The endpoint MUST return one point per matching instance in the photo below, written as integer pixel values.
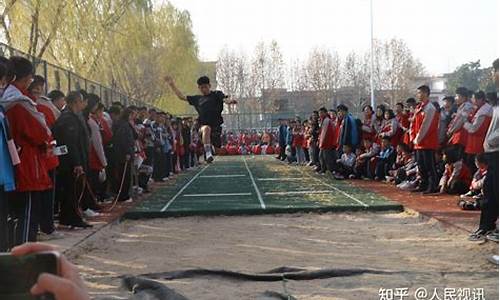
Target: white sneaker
(467, 195)
(129, 200)
(90, 213)
(55, 235)
(210, 157)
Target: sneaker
(129, 200)
(352, 176)
(209, 158)
(493, 259)
(339, 177)
(89, 213)
(478, 236)
(54, 235)
(493, 236)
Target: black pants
(327, 158)
(47, 199)
(306, 154)
(382, 168)
(457, 187)
(4, 221)
(489, 208)
(25, 209)
(168, 163)
(282, 154)
(314, 154)
(427, 169)
(68, 191)
(159, 165)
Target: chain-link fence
(66, 80)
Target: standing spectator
(7, 182)
(47, 197)
(445, 116)
(31, 134)
(97, 157)
(282, 139)
(327, 143)
(71, 130)
(457, 135)
(124, 136)
(479, 123)
(489, 209)
(426, 124)
(348, 128)
(313, 145)
(409, 132)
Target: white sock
(208, 148)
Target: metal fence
(65, 80)
(259, 121)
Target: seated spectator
(385, 159)
(405, 161)
(364, 166)
(472, 199)
(456, 177)
(344, 166)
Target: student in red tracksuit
(31, 135)
(51, 113)
(327, 143)
(457, 135)
(390, 128)
(408, 134)
(426, 122)
(456, 177)
(476, 127)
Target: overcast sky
(441, 33)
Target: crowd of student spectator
(421, 146)
(67, 159)
(70, 158)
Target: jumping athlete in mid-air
(209, 106)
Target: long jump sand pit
(423, 255)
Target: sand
(434, 258)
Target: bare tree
(323, 74)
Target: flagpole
(372, 93)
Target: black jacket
(124, 136)
(71, 130)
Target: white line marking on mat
(223, 176)
(335, 188)
(298, 192)
(183, 188)
(280, 179)
(217, 195)
(254, 185)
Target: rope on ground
(272, 275)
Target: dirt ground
(434, 258)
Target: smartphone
(61, 150)
(19, 274)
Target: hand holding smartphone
(36, 271)
(20, 273)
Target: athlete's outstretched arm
(170, 81)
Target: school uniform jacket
(51, 113)
(455, 128)
(97, 158)
(477, 128)
(327, 136)
(31, 135)
(425, 126)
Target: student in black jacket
(71, 130)
(124, 136)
